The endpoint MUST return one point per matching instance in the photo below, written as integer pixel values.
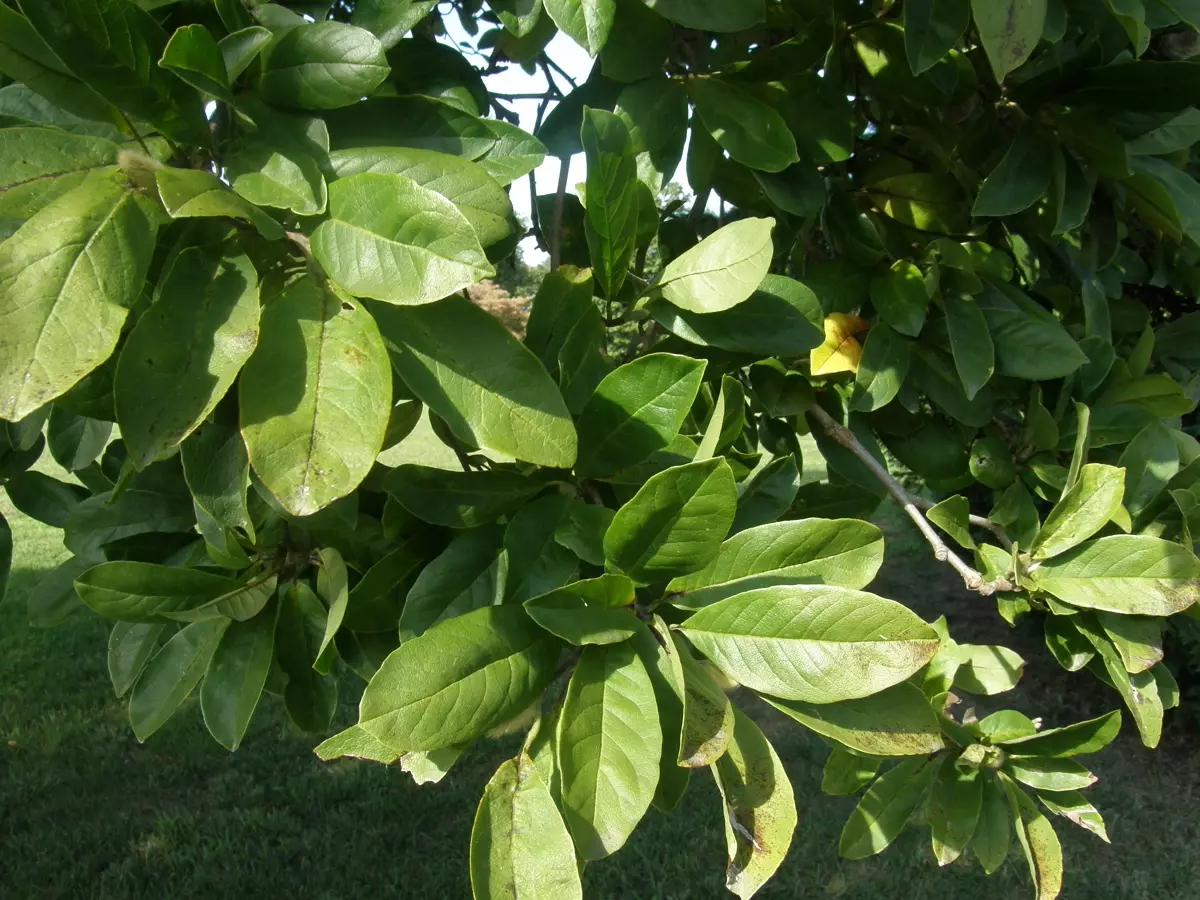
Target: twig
(973, 580)
(977, 521)
(564, 166)
(133, 130)
(557, 68)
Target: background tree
(955, 241)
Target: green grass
(88, 812)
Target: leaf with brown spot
(707, 714)
(760, 810)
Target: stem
(973, 580)
(133, 130)
(564, 166)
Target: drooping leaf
(172, 674)
(612, 209)
(760, 810)
(469, 574)
(898, 721)
(953, 808)
(882, 369)
(460, 499)
(752, 132)
(143, 592)
(1036, 836)
(885, 808)
(593, 611)
(931, 29)
(188, 193)
(609, 742)
(586, 22)
(520, 846)
(314, 397)
(185, 351)
(235, 677)
(970, 342)
(1023, 174)
(1009, 30)
(813, 643)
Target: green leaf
(130, 646)
(172, 674)
(6, 552)
(467, 368)
(390, 20)
(1074, 807)
(430, 767)
(469, 574)
(189, 193)
(898, 721)
(68, 278)
(43, 498)
(586, 22)
(424, 123)
(1137, 639)
(537, 563)
(1150, 461)
(278, 165)
(722, 270)
(953, 808)
(637, 45)
(660, 654)
(563, 299)
(460, 499)
(519, 843)
(1158, 394)
(376, 600)
(462, 677)
(310, 698)
(582, 531)
(952, 515)
(922, 200)
(900, 297)
(768, 494)
(314, 397)
(1140, 691)
(1124, 573)
(932, 28)
(969, 340)
(813, 643)
(885, 808)
(934, 374)
(240, 48)
(332, 587)
(513, 154)
(112, 48)
(1009, 31)
(636, 410)
(28, 59)
(391, 239)
(39, 165)
(674, 522)
(760, 809)
(1091, 501)
(881, 370)
(986, 669)
(711, 15)
(185, 351)
(143, 592)
(707, 713)
(235, 678)
(192, 53)
(594, 611)
(781, 318)
(1050, 774)
(358, 743)
(993, 832)
(1179, 133)
(217, 471)
(475, 193)
(843, 552)
(321, 65)
(103, 519)
(1072, 740)
(75, 441)
(1037, 838)
(1023, 174)
(609, 743)
(612, 209)
(752, 132)
(847, 773)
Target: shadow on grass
(88, 812)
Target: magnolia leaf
(722, 270)
(841, 351)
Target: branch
(564, 167)
(973, 580)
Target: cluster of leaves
(238, 231)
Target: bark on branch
(911, 506)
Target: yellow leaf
(840, 352)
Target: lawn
(88, 812)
